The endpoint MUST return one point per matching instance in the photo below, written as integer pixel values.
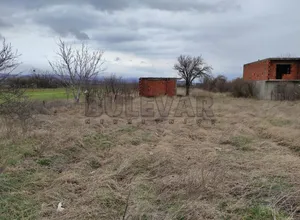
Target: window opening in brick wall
(282, 69)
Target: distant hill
(26, 75)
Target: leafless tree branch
(8, 60)
(77, 67)
(189, 68)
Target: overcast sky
(144, 37)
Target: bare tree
(111, 88)
(8, 60)
(189, 68)
(113, 85)
(14, 105)
(77, 67)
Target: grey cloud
(145, 49)
(4, 24)
(200, 6)
(168, 5)
(152, 70)
(79, 34)
(117, 35)
(225, 33)
(132, 33)
(71, 18)
(68, 22)
(114, 5)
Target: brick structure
(273, 69)
(151, 87)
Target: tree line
(195, 68)
(35, 80)
(76, 68)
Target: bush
(237, 87)
(14, 106)
(217, 84)
(240, 88)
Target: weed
(94, 164)
(295, 148)
(100, 141)
(146, 195)
(109, 200)
(147, 137)
(136, 142)
(280, 122)
(29, 153)
(223, 205)
(128, 129)
(259, 212)
(241, 143)
(44, 162)
(12, 162)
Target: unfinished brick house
(273, 69)
(274, 78)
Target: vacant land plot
(243, 166)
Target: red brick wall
(171, 87)
(295, 74)
(151, 88)
(156, 88)
(256, 71)
(266, 69)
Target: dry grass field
(245, 165)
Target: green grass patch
(260, 194)
(99, 141)
(46, 94)
(241, 143)
(18, 206)
(260, 212)
(280, 122)
(52, 161)
(94, 163)
(44, 162)
(264, 189)
(147, 137)
(17, 200)
(148, 203)
(128, 129)
(12, 153)
(145, 193)
(109, 200)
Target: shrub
(217, 84)
(241, 88)
(14, 106)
